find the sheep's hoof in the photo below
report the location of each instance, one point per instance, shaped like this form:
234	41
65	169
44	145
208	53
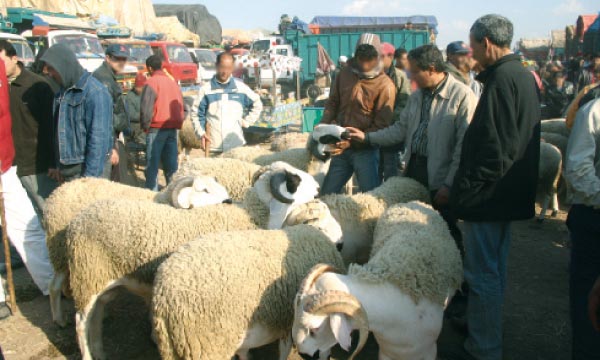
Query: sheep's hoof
554	213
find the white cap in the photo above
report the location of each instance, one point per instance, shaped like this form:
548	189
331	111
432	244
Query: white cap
343	59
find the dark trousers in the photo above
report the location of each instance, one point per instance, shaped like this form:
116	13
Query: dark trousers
584	229
417	169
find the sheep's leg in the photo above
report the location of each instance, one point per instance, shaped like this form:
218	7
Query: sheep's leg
544	204
256	336
55	290
285	347
95	324
554	204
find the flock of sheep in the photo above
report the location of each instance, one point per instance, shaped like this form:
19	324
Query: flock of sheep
237	252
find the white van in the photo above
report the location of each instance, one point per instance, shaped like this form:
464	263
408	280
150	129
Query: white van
24	52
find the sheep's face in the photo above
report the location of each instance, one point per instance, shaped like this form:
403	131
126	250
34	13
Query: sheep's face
313	334
207	191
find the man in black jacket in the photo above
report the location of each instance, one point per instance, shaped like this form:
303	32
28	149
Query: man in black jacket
31	100
496	179
116	59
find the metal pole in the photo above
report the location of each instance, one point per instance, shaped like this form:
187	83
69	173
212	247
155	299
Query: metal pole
9	274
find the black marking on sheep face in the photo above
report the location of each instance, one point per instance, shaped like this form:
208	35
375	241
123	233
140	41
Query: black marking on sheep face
313	147
292	181
314	356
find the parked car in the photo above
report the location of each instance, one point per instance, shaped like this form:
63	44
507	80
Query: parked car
177	61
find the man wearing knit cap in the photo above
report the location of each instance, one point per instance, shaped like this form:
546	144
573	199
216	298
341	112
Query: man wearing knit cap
390	158
362	97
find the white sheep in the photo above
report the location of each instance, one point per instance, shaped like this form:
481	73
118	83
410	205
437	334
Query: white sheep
556	126
235	175
116	243
72	197
358	214
291	140
550	170
242	299
187	139
558	140
399	295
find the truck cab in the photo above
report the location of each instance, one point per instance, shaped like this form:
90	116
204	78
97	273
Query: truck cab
86	47
24	52
266	73
177	61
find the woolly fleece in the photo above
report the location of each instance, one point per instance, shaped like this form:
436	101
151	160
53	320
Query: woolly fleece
292	140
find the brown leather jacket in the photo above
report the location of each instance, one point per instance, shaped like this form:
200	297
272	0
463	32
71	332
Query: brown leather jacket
366	104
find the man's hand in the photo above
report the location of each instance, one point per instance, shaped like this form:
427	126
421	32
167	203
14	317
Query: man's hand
114	157
594	305
442	197
356	134
340	147
205	142
55	175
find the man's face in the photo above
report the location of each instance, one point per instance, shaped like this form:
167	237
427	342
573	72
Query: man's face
387	60
596	62
224	69
461	61
54	75
423	78
479	50
402	62
138	90
10	63
367	65
117	64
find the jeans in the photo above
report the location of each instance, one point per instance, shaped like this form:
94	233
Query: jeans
38	187
584	229
25	231
390	162
486	252
161	145
365	163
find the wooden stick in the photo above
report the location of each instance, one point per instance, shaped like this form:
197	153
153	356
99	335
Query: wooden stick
207	142
9	274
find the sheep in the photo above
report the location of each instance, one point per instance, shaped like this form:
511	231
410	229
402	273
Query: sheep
116	243
292	140
188	139
357	214
72	197
235	175
399	295
550	169
556	126
558	140
236	303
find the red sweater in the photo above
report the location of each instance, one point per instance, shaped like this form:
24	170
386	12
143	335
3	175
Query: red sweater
161	103
7	149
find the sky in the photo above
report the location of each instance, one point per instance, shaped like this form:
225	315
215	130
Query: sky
531	18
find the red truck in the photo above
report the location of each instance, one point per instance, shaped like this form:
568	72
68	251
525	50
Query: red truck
177	61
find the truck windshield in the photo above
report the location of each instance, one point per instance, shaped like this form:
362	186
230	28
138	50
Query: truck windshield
85	47
261	45
207	58
24	52
138	53
179	54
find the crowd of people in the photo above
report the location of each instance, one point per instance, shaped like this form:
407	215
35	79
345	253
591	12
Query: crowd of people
468	128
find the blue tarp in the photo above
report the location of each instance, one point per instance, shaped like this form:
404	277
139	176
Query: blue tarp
595	25
374	21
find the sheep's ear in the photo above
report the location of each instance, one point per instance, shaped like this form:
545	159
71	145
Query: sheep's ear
292	181
342	330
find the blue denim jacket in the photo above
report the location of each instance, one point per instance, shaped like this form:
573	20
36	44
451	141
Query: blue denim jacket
85	125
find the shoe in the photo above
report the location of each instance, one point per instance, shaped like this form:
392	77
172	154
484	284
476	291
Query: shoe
4	311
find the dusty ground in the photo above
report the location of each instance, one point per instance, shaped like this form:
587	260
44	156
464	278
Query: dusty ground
535	319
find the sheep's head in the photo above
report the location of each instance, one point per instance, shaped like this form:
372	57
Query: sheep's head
323	136
281	187
197	191
323	319
316	213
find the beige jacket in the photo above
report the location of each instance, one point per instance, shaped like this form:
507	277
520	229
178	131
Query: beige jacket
451	113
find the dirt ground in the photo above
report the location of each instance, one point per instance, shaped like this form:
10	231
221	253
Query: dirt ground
536	323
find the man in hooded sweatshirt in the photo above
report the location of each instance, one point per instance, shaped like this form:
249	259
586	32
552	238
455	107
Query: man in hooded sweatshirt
83	117
363	97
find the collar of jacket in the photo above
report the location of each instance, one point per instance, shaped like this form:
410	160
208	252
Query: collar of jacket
158	73
442	88
82	82
228	86
485	74
24	77
108	70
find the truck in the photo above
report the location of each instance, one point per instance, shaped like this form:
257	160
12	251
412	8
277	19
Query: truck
283	78
24	52
177	62
338	35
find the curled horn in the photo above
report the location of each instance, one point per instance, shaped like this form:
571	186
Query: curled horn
335	301
313	274
258	173
179	185
279	178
